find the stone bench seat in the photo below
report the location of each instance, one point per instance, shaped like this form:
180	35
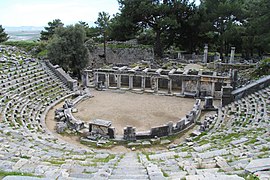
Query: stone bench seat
23	76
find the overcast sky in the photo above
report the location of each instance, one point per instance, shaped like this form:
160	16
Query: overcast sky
40	12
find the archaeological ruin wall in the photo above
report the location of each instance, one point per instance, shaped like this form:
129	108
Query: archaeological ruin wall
60	73
251	88
188	83
167	129
119	55
65	120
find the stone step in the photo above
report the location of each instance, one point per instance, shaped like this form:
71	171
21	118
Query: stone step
129	168
129	172
130	164
124	167
221	162
129	177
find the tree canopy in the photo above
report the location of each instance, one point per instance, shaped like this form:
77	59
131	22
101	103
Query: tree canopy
103	22
222	17
157	15
184	26
67	49
50	29
3	35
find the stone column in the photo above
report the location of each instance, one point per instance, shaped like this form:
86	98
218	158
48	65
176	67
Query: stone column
208	104
143	83
234	77
130	133
232	55
96	78
183	86
227	96
198	87
213	89
83	76
107	81
86	79
118	81
169	86
130	82
205	53
179	55
156	85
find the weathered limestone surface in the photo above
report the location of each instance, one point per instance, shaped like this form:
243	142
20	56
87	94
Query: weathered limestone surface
236	140
258	165
120	55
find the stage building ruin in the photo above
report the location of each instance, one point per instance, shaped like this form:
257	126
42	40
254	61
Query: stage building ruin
188	83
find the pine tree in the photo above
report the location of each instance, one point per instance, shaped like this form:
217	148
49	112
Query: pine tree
46	35
3	36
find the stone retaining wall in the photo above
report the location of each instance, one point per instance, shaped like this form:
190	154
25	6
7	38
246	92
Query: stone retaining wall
167	129
65	114
119	55
71	83
251	88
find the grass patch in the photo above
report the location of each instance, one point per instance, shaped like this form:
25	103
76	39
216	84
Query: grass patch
199	137
138	157
164	173
227	138
118	46
252	141
264	155
27	45
188	156
25	157
185	149
93	144
56	162
202	142
264	149
249	176
3	174
8	133
147	154
105	160
87	172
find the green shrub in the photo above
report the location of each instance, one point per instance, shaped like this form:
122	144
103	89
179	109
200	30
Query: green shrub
26	45
263	68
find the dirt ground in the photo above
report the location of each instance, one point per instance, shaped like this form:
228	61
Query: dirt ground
50	123
142	111
131	108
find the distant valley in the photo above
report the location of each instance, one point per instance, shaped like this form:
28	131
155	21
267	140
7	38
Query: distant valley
23	33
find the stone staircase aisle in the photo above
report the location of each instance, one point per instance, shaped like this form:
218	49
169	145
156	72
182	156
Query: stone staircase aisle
129	167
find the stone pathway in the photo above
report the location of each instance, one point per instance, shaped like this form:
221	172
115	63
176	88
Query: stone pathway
236	140
129	167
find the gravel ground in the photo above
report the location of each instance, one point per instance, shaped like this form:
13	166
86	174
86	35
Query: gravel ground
142	111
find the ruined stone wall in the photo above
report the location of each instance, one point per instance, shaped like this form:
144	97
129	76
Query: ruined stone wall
251	88
170	128
65	78
119	55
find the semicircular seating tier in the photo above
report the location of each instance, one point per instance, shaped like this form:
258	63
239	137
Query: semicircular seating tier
235	141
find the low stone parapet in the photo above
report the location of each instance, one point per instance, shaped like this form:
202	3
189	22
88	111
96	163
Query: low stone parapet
167	129
59	72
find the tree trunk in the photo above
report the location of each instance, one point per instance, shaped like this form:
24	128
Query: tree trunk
227	49
221	50
158	50
104	48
